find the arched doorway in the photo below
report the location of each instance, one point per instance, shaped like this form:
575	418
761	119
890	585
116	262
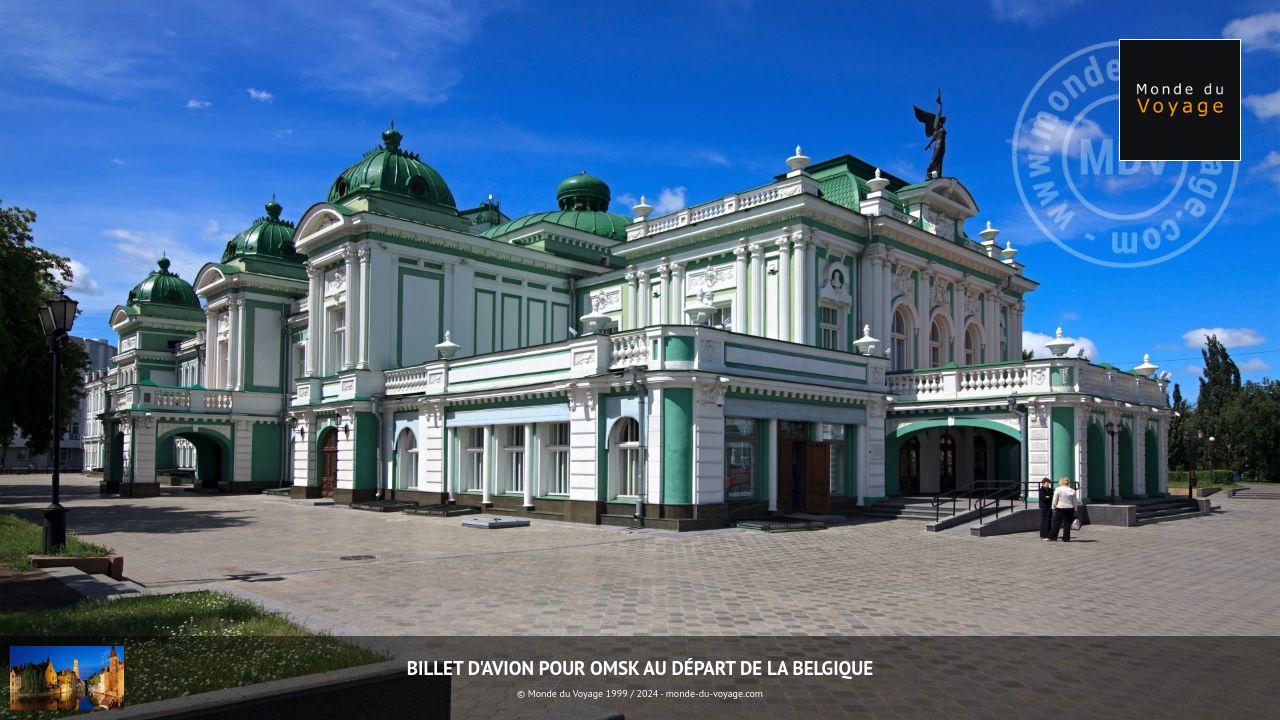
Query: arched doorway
1153	464
1126	462
328	465
210	461
909	467
946	463
406	469
1097	452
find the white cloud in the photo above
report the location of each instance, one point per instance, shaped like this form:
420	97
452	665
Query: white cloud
194	104
1030	12
260	95
669	200
1229	337
1257	32
287	132
1061	137
714	157
211	230
82	282
139	250
1068	316
118	161
1193	370
1035	342
1264	106
1270	166
1253	365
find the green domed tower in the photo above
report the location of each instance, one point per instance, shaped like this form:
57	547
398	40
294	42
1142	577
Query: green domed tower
268	237
390	180
584	206
163	289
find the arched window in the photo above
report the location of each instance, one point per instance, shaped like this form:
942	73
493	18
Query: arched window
900	331
946	463
972	346
938	342
406	460
626	458
1004	334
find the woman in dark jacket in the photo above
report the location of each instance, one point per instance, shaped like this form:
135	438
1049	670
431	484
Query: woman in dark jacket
1046	508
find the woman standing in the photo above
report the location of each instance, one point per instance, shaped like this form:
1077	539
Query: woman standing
1064	509
1046	508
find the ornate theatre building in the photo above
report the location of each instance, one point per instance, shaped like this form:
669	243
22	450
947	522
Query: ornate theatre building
825	341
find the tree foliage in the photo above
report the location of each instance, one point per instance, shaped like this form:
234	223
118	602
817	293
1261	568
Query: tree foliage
29	275
1243	420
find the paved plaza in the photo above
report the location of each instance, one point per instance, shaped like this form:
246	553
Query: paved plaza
1213	575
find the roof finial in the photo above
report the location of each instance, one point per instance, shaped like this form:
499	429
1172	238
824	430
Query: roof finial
163	262
273	208
391	137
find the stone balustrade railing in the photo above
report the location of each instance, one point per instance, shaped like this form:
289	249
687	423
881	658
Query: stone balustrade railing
722	206
1033	377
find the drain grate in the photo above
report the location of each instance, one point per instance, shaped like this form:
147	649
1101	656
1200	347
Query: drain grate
357	557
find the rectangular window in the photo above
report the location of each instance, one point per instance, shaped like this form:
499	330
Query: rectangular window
558	459
739	458
829	318
337	340
513	459
835	435
473	459
723	317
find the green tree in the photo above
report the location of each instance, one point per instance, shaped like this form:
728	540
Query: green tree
1219	385
1251	431
1183	422
29	275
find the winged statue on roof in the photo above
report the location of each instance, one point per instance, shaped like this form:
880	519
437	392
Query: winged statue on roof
934	129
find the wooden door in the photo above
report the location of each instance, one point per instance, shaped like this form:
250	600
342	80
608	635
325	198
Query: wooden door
817	484
329	464
786	462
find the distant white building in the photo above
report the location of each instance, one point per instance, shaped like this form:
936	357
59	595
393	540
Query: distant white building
816	344
75	441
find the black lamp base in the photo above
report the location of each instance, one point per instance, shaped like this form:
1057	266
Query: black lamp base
55	528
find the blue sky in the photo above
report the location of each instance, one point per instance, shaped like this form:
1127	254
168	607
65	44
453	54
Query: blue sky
136	128
92	657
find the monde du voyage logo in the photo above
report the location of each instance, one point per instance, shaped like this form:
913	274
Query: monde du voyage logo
1141	182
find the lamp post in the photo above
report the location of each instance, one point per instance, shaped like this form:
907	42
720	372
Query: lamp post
1213	467
1113	429
56	317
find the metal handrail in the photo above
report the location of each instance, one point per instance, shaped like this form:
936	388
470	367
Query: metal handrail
979	490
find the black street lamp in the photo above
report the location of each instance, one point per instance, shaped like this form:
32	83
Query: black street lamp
1113	429
1191	460
56	317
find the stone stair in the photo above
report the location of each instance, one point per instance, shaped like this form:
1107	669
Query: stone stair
384	505
1256	493
1168	508
912	508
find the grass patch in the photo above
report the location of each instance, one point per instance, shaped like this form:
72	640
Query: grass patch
20	538
178	645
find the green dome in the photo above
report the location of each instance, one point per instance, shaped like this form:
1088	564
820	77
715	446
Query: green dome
164	288
268	236
390	170
583	192
604	224
584	204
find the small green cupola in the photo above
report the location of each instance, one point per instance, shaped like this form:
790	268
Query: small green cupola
584	205
268	237
394	173
583	192
162	287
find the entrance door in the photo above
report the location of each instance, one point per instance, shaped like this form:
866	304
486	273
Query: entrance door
946	464
909	467
329	464
817	495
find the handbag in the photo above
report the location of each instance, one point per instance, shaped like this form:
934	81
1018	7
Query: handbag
1077	523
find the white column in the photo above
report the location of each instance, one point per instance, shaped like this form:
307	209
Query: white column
1139	456
785	301
629	300
677	294
802	327
644	302
664	288
364	314
352	310
863	460
1015	331
315	292
740	287
210	347
875	304
886	305
490	457
237	357
453	457
233	344
757	290
527	468
773	464
958	294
